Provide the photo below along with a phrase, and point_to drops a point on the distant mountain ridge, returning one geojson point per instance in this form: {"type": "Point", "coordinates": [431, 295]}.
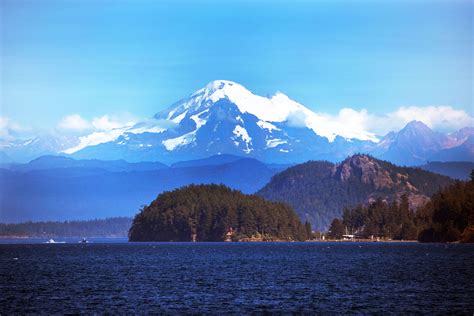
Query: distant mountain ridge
{"type": "Point", "coordinates": [60, 188]}
{"type": "Point", "coordinates": [226, 118]}
{"type": "Point", "coordinates": [210, 161]}
{"type": "Point", "coordinates": [416, 144]}
{"type": "Point", "coordinates": [319, 190]}
{"type": "Point", "coordinates": [460, 170]}
{"type": "Point", "coordinates": [54, 162]}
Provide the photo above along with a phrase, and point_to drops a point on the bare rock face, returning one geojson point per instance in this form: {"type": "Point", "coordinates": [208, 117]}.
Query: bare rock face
{"type": "Point", "coordinates": [369, 171]}
{"type": "Point", "coordinates": [319, 190]}
{"type": "Point", "coordinates": [366, 169]}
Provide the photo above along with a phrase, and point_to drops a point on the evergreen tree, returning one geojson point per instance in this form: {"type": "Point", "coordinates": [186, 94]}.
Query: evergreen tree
{"type": "Point", "coordinates": [451, 212]}
{"type": "Point", "coordinates": [337, 229]}
{"type": "Point", "coordinates": [309, 232]}
{"type": "Point", "coordinates": [318, 191]}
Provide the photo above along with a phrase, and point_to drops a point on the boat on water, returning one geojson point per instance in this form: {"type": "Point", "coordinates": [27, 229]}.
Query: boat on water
{"type": "Point", "coordinates": [52, 241]}
{"type": "Point", "coordinates": [83, 241]}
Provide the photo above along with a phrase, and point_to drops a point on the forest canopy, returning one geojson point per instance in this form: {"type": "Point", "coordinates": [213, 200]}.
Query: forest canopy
{"type": "Point", "coordinates": [378, 219]}
{"type": "Point", "coordinates": [215, 213]}
{"type": "Point", "coordinates": [109, 227]}
{"type": "Point", "coordinates": [450, 214]}
{"type": "Point", "coordinates": [447, 217]}
{"type": "Point", "coordinates": [319, 190]}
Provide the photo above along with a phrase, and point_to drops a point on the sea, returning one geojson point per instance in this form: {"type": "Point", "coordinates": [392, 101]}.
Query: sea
{"type": "Point", "coordinates": [114, 276]}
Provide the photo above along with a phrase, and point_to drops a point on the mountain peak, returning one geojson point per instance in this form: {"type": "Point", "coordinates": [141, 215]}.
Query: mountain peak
{"type": "Point", "coordinates": [416, 125]}
{"type": "Point", "coordinates": [270, 109]}
{"type": "Point", "coordinates": [221, 84]}
{"type": "Point", "coordinates": [366, 168]}
{"type": "Point", "coordinates": [218, 89]}
{"type": "Point", "coordinates": [418, 129]}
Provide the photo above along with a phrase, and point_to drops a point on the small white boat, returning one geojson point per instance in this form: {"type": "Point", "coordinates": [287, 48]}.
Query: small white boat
{"type": "Point", "coordinates": [84, 240]}
{"type": "Point", "coordinates": [52, 241]}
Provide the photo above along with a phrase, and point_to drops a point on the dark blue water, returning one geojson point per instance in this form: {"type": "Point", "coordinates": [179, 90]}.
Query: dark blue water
{"type": "Point", "coordinates": [236, 277]}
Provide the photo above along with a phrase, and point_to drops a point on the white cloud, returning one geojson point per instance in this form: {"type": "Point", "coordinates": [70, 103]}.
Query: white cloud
{"type": "Point", "coordinates": [443, 118]}
{"type": "Point", "coordinates": [102, 129]}
{"type": "Point", "coordinates": [10, 130]}
{"type": "Point", "coordinates": [348, 123]}
{"type": "Point", "coordinates": [74, 122]}
{"type": "Point", "coordinates": [4, 128]}
{"type": "Point", "coordinates": [105, 123]}
{"type": "Point", "coordinates": [361, 124]}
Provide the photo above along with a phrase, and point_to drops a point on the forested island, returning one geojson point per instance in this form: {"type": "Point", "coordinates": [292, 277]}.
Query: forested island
{"type": "Point", "coordinates": [109, 227]}
{"type": "Point", "coordinates": [447, 217]}
{"type": "Point", "coordinates": [216, 213]}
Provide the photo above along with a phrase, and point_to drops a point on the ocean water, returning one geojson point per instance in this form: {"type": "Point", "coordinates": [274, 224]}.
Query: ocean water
{"type": "Point", "coordinates": [120, 277]}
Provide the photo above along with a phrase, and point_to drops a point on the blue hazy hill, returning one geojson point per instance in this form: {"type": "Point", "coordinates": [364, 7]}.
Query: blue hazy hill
{"type": "Point", "coordinates": [460, 170]}
{"type": "Point", "coordinates": [53, 188]}
{"type": "Point", "coordinates": [54, 162]}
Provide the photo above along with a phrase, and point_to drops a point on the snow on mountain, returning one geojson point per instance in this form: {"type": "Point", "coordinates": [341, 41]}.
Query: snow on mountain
{"type": "Point", "coordinates": [459, 137]}
{"type": "Point", "coordinates": [278, 108]}
{"type": "Point", "coordinates": [172, 143]}
{"type": "Point", "coordinates": [44, 144]}
{"type": "Point", "coordinates": [224, 117]}
{"type": "Point", "coordinates": [178, 127]}
{"type": "Point", "coordinates": [268, 126]}
{"type": "Point", "coordinates": [416, 143]}
{"type": "Point", "coordinates": [95, 139]}
{"type": "Point", "coordinates": [241, 133]}
{"type": "Point", "coordinates": [101, 137]}
{"type": "Point", "coordinates": [274, 109]}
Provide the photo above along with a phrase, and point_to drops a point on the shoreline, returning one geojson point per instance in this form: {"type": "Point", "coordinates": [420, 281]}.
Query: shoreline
{"type": "Point", "coordinates": [364, 240]}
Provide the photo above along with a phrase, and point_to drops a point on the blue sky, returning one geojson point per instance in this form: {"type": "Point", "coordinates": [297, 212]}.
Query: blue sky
{"type": "Point", "coordinates": [99, 57]}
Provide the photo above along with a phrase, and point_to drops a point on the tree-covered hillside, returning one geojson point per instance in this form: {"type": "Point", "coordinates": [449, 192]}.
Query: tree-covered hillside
{"type": "Point", "coordinates": [450, 214]}
{"type": "Point", "coordinates": [215, 213]}
{"type": "Point", "coordinates": [320, 190]}
{"type": "Point", "coordinates": [447, 217]}
{"type": "Point", "coordinates": [109, 227]}
{"type": "Point", "coordinates": [459, 170]}
{"type": "Point", "coordinates": [378, 219]}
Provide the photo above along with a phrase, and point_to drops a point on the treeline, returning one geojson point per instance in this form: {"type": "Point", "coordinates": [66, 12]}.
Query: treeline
{"type": "Point", "coordinates": [447, 217]}
{"type": "Point", "coordinates": [378, 219]}
{"type": "Point", "coordinates": [312, 191]}
{"type": "Point", "coordinates": [215, 213]}
{"type": "Point", "coordinates": [109, 227]}
{"type": "Point", "coordinates": [316, 192]}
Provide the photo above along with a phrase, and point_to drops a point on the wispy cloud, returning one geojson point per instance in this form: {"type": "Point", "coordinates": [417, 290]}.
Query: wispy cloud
{"type": "Point", "coordinates": [10, 130]}
{"type": "Point", "coordinates": [74, 122]}
{"type": "Point", "coordinates": [77, 123]}
{"type": "Point", "coordinates": [444, 118]}
{"type": "Point", "coordinates": [350, 123]}
{"type": "Point", "coordinates": [106, 123]}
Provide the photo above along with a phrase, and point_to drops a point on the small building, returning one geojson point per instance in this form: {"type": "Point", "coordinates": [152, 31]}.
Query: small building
{"type": "Point", "coordinates": [229, 234]}
{"type": "Point", "coordinates": [348, 237]}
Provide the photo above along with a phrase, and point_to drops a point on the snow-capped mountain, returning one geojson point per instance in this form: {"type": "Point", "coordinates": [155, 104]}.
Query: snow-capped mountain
{"type": "Point", "coordinates": [416, 143]}
{"type": "Point", "coordinates": [275, 109]}
{"type": "Point", "coordinates": [226, 118]}
{"type": "Point", "coordinates": [29, 149]}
